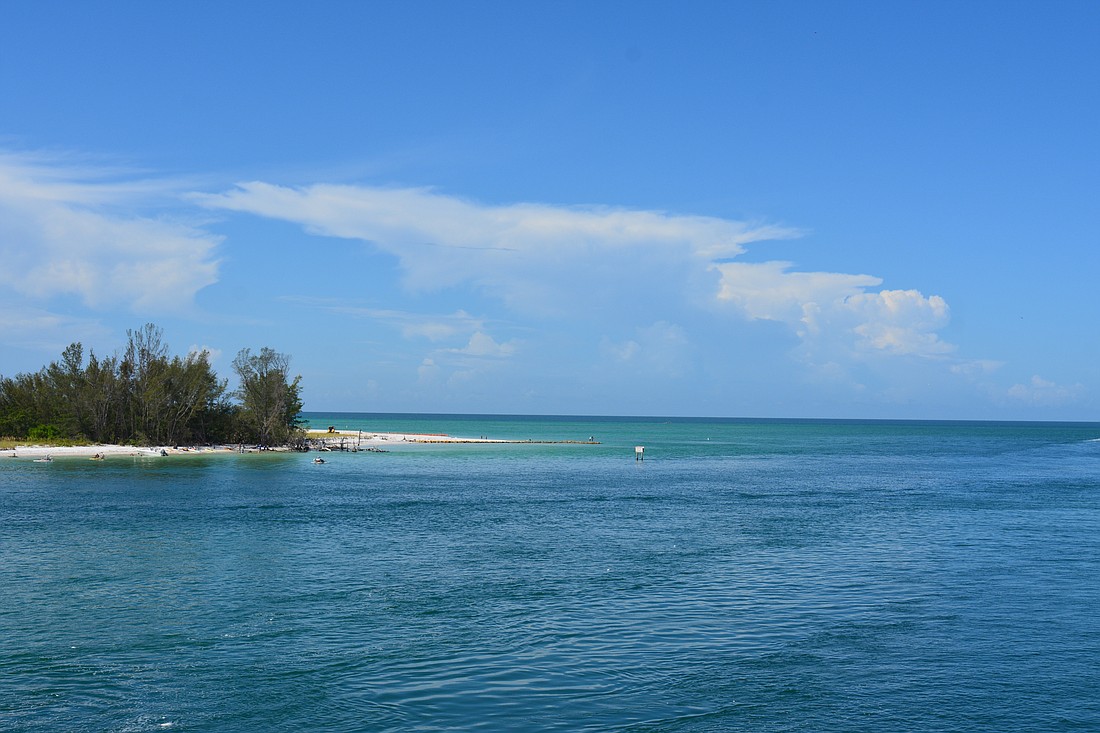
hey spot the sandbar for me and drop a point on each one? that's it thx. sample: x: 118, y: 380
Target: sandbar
x: 372, y: 439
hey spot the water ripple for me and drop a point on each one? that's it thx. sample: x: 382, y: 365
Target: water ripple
x: 807, y: 580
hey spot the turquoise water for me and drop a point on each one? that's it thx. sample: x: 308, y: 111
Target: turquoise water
x: 747, y: 575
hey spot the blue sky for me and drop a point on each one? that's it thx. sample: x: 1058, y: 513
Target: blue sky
x: 774, y: 209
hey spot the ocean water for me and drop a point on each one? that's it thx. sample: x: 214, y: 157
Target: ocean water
x: 746, y: 575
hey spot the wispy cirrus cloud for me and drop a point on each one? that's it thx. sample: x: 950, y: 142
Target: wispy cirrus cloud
x: 480, y: 356
x: 470, y: 348
x: 394, y: 217
x: 412, y: 325
x: 28, y: 327
x: 69, y: 229
x: 537, y: 258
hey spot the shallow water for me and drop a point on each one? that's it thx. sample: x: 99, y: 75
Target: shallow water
x: 747, y: 575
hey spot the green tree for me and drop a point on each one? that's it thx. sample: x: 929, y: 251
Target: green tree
x: 144, y: 370
x: 103, y: 399
x: 270, y: 401
x: 17, y: 408
x: 67, y: 393
x: 143, y: 395
x: 193, y: 395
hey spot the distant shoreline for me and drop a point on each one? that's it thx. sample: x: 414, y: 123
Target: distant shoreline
x: 318, y: 439
x: 319, y: 417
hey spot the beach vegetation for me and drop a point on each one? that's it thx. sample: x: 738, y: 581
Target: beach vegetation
x: 143, y: 395
x: 270, y: 401
x: 45, y: 433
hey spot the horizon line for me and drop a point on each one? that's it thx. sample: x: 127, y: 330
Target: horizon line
x: 568, y: 416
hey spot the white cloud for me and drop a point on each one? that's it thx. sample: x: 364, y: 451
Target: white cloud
x: 620, y: 350
x: 625, y: 267
x: 36, y: 329
x: 535, y: 257
x: 1040, y: 392
x: 481, y: 356
x: 976, y: 367
x: 767, y: 290
x: 837, y: 307
x: 212, y: 355
x: 433, y: 327
x: 391, y: 217
x: 483, y: 345
x: 428, y: 371
x: 62, y: 233
x: 901, y: 322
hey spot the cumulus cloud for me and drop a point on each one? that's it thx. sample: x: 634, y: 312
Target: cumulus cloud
x: 68, y: 231
x: 813, y: 304
x: 768, y: 290
x: 428, y: 371
x: 482, y: 345
x: 1039, y: 392
x: 902, y: 322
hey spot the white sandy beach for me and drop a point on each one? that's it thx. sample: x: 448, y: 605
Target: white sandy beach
x: 107, y: 451
x: 349, y: 438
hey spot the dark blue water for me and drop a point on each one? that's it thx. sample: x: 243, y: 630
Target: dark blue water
x: 758, y: 576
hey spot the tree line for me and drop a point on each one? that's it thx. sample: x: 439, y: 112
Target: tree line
x: 143, y: 396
